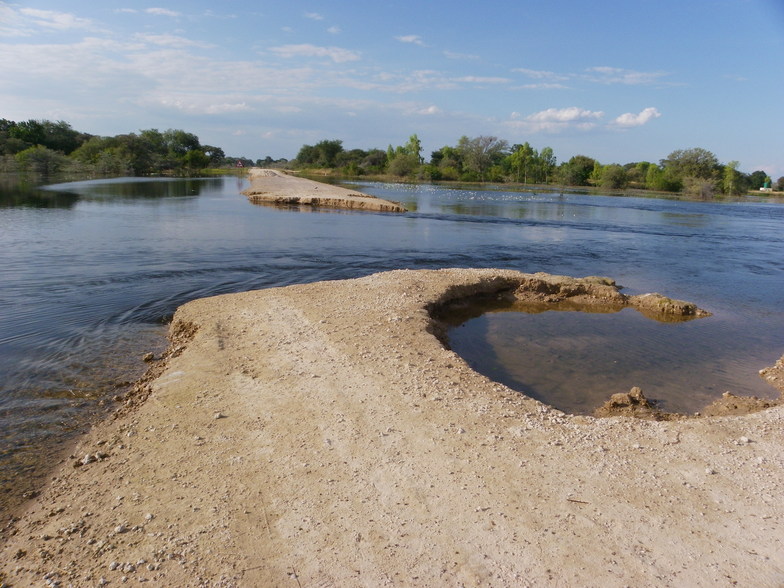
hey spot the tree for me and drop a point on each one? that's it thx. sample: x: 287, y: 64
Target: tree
x: 780, y: 184
x: 522, y: 158
x: 215, y: 154
x: 614, y: 177
x: 195, y: 160
x: 374, y: 161
x: 695, y: 163
x: 327, y: 151
x: 730, y: 178
x: 414, y: 147
x: 547, y: 163
x: 577, y: 170
x: 757, y: 179
x: 40, y: 159
x: 403, y: 164
x: 480, y: 153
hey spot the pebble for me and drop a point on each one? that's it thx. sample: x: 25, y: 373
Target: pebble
x: 710, y: 471
x: 120, y: 529
x: 219, y: 415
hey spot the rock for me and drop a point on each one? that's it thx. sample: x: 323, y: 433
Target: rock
x: 634, y: 397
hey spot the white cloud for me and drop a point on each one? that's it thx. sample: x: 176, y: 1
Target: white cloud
x: 565, y: 115
x: 482, y: 80
x: 313, y: 16
x: 336, y: 54
x: 555, y: 120
x: 334, y: 30
x: 413, y: 39
x: 538, y: 74
x: 429, y: 111
x: 544, y: 86
x: 55, y: 20
x: 170, y: 41
x: 630, y: 119
x: 162, y: 12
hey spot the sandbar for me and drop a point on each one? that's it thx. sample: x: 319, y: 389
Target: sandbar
x: 324, y: 435
x: 269, y: 186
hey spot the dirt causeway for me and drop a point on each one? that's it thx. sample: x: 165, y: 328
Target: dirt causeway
x: 269, y: 186
x: 322, y: 435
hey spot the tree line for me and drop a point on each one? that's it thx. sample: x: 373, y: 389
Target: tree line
x: 48, y: 147
x: 694, y: 172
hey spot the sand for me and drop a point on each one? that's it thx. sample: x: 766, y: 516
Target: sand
x: 322, y: 435
x: 273, y: 187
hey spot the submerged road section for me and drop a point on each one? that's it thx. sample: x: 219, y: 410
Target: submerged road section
x: 269, y: 186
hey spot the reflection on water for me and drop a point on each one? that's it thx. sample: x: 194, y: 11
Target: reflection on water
x: 574, y: 360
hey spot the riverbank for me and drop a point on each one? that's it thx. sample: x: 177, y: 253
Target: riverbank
x: 269, y: 186
x: 322, y: 435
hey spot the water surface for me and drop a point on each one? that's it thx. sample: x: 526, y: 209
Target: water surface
x: 91, y: 271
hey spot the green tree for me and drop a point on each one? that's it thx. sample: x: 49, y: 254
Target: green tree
x: 328, y: 151
x: 757, y: 179
x: 522, y: 159
x: 31, y: 132
x: 414, y: 147
x: 577, y: 170
x: 547, y: 164
x: 40, y: 159
x: 614, y: 177
x: 374, y: 161
x: 403, y: 164
x: 730, y: 178
x: 195, y: 160
x: 480, y: 153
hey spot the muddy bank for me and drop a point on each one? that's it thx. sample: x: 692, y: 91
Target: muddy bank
x: 322, y: 435
x: 273, y: 187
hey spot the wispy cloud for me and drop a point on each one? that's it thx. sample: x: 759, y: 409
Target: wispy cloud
x: 50, y: 19
x: 162, y: 12
x: 413, y: 39
x: 461, y: 56
x: 481, y: 80
x: 334, y: 30
x: 538, y: 74
x: 336, y: 54
x: 544, y: 86
x: 616, y: 75
x: 166, y: 40
x: 313, y: 16
x: 630, y: 119
x: 597, y: 75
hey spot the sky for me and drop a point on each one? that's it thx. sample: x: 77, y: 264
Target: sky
x: 619, y: 81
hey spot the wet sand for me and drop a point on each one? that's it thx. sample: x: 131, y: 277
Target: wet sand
x: 269, y: 186
x: 322, y: 435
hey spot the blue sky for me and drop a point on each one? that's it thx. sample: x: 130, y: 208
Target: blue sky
x: 620, y: 81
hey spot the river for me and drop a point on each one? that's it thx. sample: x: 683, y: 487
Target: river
x: 91, y: 271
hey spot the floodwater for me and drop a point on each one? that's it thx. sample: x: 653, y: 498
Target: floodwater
x: 91, y: 271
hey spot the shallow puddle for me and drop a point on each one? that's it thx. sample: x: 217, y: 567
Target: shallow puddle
x: 575, y: 360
